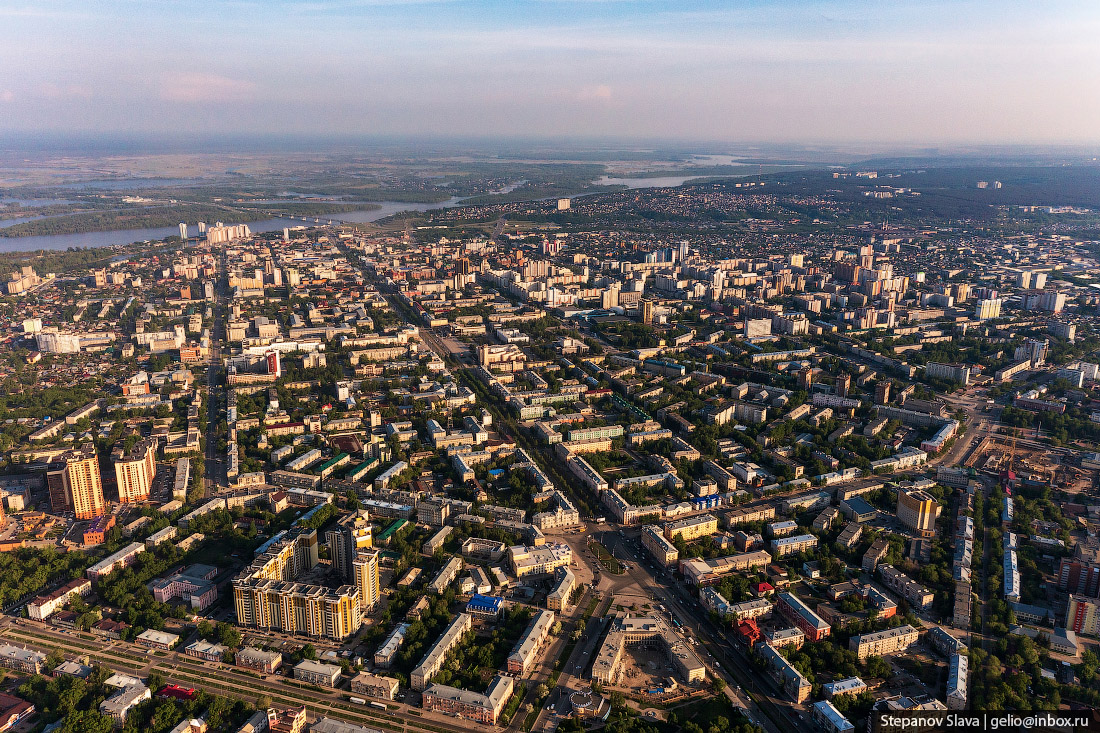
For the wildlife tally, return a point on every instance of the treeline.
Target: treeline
(74, 703)
(28, 570)
(169, 216)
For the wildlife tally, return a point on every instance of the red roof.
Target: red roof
(177, 692)
(763, 587)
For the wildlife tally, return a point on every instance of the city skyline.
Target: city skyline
(808, 72)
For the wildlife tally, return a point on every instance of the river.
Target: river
(385, 208)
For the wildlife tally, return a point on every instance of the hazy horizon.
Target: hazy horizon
(810, 73)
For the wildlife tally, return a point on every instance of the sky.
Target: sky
(918, 72)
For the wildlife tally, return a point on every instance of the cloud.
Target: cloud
(595, 93)
(65, 91)
(203, 87)
(7, 96)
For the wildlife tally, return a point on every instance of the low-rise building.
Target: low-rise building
(259, 660)
(373, 685)
(849, 686)
(479, 707)
(658, 546)
(544, 560)
(879, 643)
(789, 678)
(206, 650)
(45, 605)
(119, 705)
(317, 673)
(157, 639)
(957, 693)
(794, 610)
(22, 660)
(526, 651)
(433, 660)
(783, 546)
(829, 719)
(560, 596)
(691, 528)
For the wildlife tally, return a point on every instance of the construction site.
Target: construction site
(1009, 453)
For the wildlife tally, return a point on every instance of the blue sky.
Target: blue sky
(810, 72)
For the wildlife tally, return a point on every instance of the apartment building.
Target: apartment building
(317, 673)
(880, 643)
(783, 546)
(525, 653)
(798, 613)
(75, 483)
(373, 685)
(482, 708)
(658, 546)
(918, 510)
(434, 658)
(692, 528)
(544, 560)
(135, 470)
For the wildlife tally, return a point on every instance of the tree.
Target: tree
(718, 684)
(541, 691)
(228, 635)
(155, 681)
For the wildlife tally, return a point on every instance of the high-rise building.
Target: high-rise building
(350, 536)
(805, 378)
(135, 470)
(183, 230)
(274, 363)
(75, 483)
(882, 392)
(365, 571)
(647, 311)
(918, 510)
(843, 384)
(987, 309)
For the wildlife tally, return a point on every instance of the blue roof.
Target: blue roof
(489, 602)
(859, 505)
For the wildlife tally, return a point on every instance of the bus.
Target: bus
(357, 700)
(378, 706)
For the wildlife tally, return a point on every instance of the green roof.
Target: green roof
(389, 531)
(360, 469)
(332, 461)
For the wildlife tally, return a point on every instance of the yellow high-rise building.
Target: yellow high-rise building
(265, 595)
(75, 484)
(918, 510)
(365, 572)
(135, 471)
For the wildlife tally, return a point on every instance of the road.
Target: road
(220, 679)
(215, 463)
(725, 660)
